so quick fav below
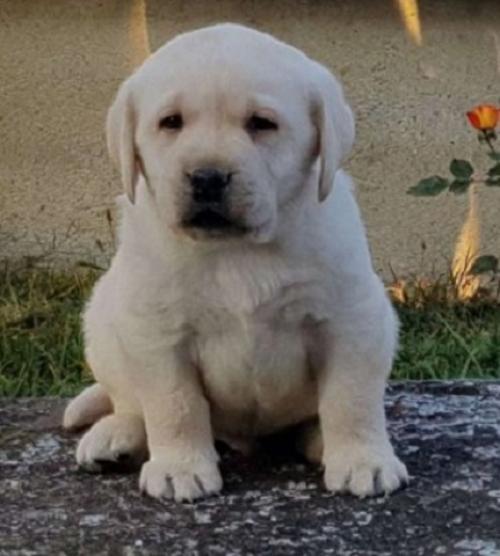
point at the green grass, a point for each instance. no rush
(41, 349)
(441, 342)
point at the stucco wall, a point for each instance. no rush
(62, 61)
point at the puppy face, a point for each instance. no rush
(221, 152)
(226, 125)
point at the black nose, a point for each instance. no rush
(209, 184)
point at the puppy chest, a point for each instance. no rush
(257, 377)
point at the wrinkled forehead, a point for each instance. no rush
(223, 74)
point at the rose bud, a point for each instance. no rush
(484, 117)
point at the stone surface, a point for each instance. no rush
(63, 60)
(272, 503)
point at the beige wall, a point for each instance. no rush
(61, 62)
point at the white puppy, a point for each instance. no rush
(242, 298)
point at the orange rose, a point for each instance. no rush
(484, 117)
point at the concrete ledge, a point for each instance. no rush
(447, 433)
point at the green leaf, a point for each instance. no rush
(429, 187)
(495, 170)
(493, 182)
(461, 168)
(485, 263)
(460, 186)
(494, 156)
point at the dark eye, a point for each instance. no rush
(258, 123)
(173, 121)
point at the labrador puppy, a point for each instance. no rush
(242, 298)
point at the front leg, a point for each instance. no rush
(183, 459)
(357, 453)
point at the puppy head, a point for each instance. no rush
(227, 126)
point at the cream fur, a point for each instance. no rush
(197, 338)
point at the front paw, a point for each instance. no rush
(364, 469)
(161, 478)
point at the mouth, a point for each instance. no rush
(212, 223)
(208, 219)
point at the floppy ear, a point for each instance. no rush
(120, 131)
(334, 122)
